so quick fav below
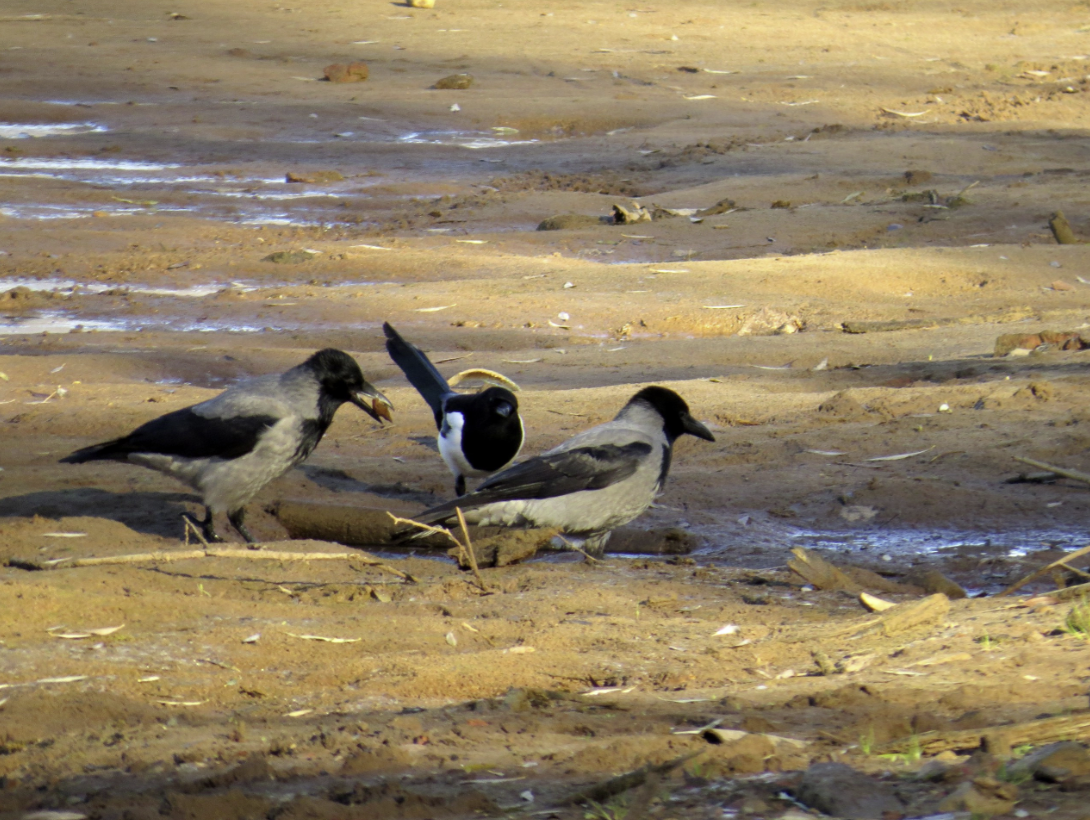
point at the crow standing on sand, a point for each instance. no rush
(478, 434)
(593, 482)
(229, 447)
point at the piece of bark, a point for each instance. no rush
(886, 326)
(1062, 230)
(933, 581)
(505, 548)
(1033, 733)
(817, 571)
(352, 526)
(905, 617)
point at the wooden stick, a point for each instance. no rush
(590, 559)
(468, 549)
(1060, 471)
(168, 556)
(1033, 576)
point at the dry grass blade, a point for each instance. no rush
(323, 638)
(468, 549)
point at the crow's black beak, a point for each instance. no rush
(695, 428)
(378, 407)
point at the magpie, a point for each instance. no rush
(229, 447)
(593, 482)
(479, 433)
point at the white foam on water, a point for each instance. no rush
(461, 139)
(83, 164)
(55, 322)
(45, 212)
(19, 131)
(67, 285)
(276, 196)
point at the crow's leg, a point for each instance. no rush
(236, 518)
(460, 485)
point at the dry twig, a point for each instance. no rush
(166, 556)
(1060, 471)
(1033, 576)
(630, 780)
(466, 550)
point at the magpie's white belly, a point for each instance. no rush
(450, 447)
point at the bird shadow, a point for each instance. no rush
(151, 513)
(425, 441)
(341, 482)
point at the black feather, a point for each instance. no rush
(419, 370)
(185, 434)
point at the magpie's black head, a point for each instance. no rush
(340, 380)
(500, 402)
(676, 419)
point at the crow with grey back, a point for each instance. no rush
(229, 447)
(479, 433)
(595, 481)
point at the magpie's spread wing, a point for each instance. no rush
(419, 370)
(582, 468)
(186, 434)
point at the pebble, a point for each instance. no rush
(351, 73)
(455, 81)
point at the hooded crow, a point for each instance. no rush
(229, 447)
(478, 434)
(593, 482)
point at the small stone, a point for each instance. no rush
(917, 177)
(455, 81)
(781, 203)
(720, 207)
(977, 799)
(839, 790)
(934, 581)
(351, 73)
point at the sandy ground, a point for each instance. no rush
(859, 164)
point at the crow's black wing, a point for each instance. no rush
(183, 433)
(419, 370)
